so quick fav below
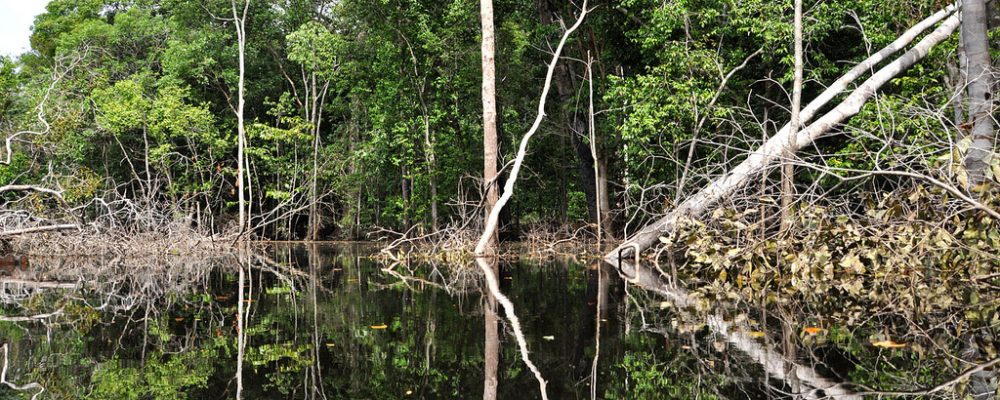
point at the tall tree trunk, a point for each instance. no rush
(979, 87)
(315, 115)
(431, 169)
(405, 187)
(605, 199)
(240, 23)
(489, 114)
(788, 169)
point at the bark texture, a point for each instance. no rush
(979, 89)
(490, 145)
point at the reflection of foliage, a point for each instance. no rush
(377, 338)
(903, 270)
(164, 376)
(874, 261)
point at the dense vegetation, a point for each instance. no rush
(380, 101)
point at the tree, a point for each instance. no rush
(240, 20)
(316, 49)
(980, 131)
(770, 152)
(788, 169)
(490, 145)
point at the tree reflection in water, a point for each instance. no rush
(327, 322)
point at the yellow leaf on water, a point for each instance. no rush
(888, 344)
(383, 326)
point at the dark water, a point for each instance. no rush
(326, 321)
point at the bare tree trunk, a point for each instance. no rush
(600, 181)
(490, 145)
(980, 82)
(577, 129)
(316, 117)
(605, 199)
(431, 169)
(788, 169)
(406, 189)
(240, 23)
(773, 148)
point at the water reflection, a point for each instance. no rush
(327, 322)
(491, 338)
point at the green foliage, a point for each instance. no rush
(155, 84)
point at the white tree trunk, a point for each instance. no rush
(240, 23)
(771, 151)
(980, 81)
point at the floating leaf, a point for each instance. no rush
(812, 330)
(549, 338)
(382, 326)
(888, 344)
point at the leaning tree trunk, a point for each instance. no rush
(770, 152)
(576, 128)
(980, 81)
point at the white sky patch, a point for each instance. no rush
(16, 17)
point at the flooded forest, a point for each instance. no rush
(500, 199)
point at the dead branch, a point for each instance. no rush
(770, 152)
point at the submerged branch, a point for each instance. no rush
(12, 385)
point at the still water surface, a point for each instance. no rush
(326, 321)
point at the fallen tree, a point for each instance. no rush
(787, 139)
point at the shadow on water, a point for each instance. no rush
(328, 322)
